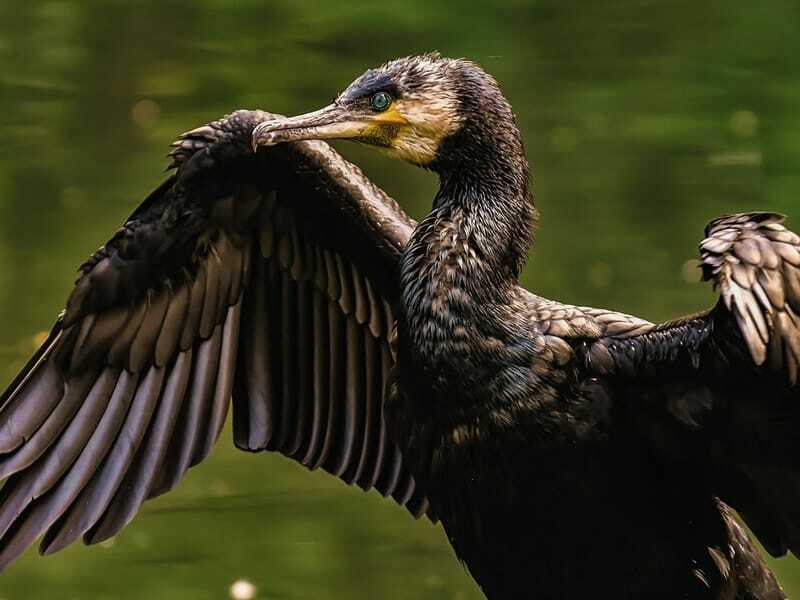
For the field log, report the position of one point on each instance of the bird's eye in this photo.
(380, 101)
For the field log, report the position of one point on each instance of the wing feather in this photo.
(251, 413)
(726, 379)
(52, 427)
(371, 404)
(304, 341)
(174, 318)
(67, 528)
(194, 414)
(224, 382)
(29, 404)
(762, 287)
(139, 478)
(266, 278)
(336, 389)
(353, 424)
(320, 369)
(287, 317)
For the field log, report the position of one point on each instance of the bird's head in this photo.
(407, 107)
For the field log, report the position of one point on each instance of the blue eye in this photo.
(380, 101)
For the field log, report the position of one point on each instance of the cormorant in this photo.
(569, 452)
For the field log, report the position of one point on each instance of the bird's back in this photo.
(544, 488)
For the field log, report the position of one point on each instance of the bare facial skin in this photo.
(411, 127)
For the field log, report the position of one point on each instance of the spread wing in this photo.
(268, 277)
(721, 388)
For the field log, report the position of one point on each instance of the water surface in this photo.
(642, 119)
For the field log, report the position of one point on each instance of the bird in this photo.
(567, 451)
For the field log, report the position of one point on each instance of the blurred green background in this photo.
(643, 120)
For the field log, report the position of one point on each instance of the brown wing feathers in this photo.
(727, 379)
(755, 262)
(319, 398)
(101, 448)
(215, 284)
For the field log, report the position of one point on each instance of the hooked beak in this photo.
(329, 123)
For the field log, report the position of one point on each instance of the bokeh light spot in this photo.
(744, 123)
(690, 271)
(145, 113)
(241, 589)
(600, 275)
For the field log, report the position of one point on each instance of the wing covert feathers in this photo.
(755, 262)
(718, 390)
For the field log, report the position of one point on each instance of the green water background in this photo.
(642, 120)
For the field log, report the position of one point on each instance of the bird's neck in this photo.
(463, 261)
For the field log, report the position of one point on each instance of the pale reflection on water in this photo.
(642, 120)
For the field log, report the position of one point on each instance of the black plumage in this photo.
(568, 451)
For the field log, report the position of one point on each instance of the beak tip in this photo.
(320, 124)
(255, 138)
(261, 136)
